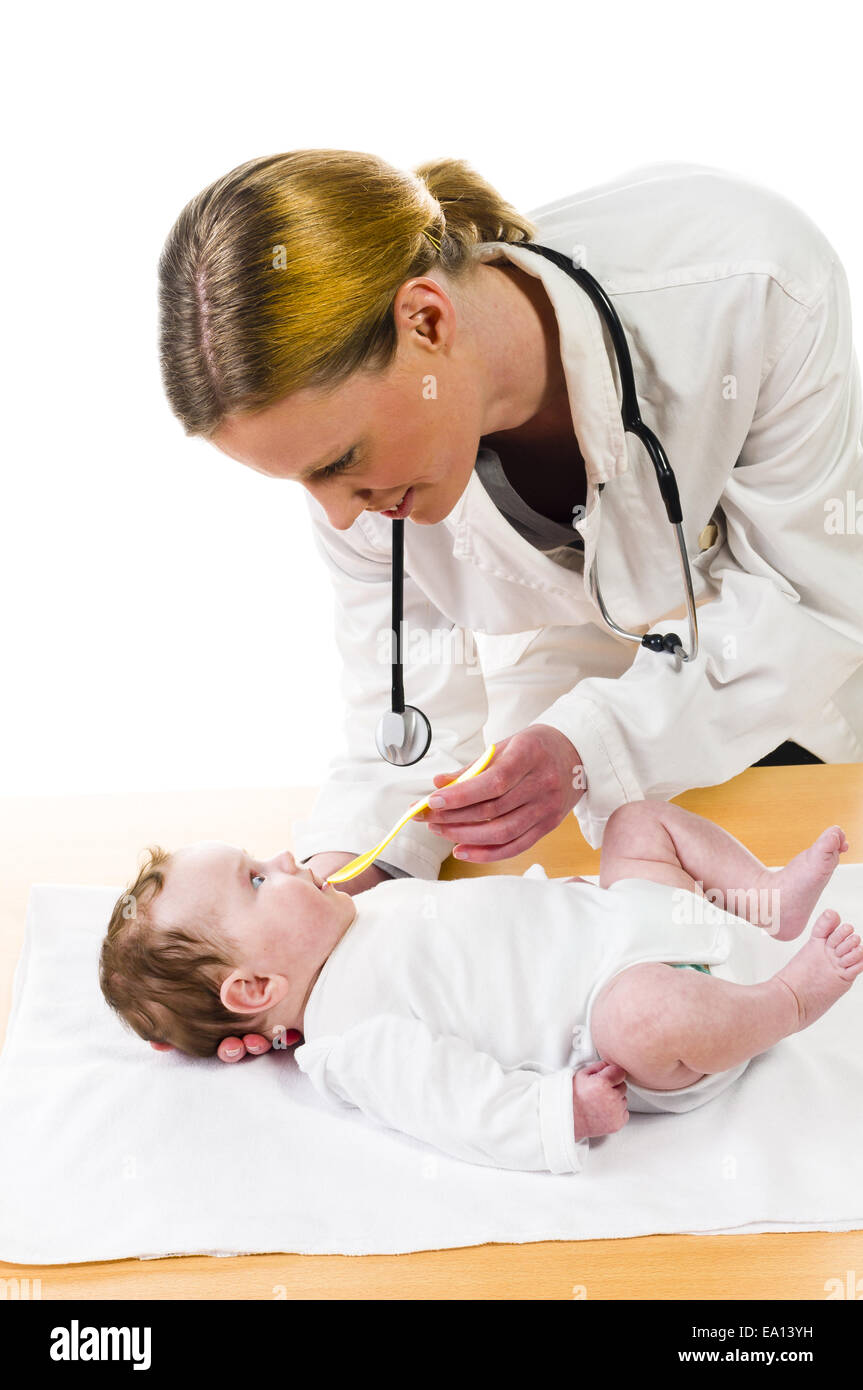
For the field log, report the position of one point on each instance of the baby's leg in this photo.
(662, 842)
(667, 1028)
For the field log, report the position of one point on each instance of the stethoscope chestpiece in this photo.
(403, 738)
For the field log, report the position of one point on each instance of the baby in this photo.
(505, 1019)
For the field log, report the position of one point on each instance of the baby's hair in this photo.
(163, 979)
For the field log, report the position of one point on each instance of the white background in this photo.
(167, 623)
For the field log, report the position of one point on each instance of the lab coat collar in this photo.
(587, 355)
(592, 381)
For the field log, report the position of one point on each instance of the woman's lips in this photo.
(402, 510)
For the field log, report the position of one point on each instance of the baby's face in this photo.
(275, 914)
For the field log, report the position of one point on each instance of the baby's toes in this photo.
(847, 954)
(848, 959)
(851, 964)
(839, 935)
(829, 842)
(825, 922)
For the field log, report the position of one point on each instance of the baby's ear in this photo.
(162, 1047)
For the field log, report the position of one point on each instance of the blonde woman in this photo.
(387, 340)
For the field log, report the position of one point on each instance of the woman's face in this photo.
(417, 425)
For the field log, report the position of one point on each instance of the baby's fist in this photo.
(599, 1100)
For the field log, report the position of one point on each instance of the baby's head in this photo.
(208, 942)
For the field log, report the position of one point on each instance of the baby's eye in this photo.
(260, 876)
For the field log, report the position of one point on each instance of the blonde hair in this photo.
(163, 980)
(282, 274)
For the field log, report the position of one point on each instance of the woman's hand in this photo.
(253, 1044)
(534, 779)
(234, 1049)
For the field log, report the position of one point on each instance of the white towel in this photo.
(109, 1149)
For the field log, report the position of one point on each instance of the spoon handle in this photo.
(363, 861)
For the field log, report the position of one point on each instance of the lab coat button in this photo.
(579, 252)
(708, 536)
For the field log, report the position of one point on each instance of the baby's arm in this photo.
(446, 1093)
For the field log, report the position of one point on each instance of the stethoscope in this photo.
(403, 734)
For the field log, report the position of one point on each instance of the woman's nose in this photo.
(342, 517)
(342, 511)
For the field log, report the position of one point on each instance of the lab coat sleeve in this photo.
(392, 869)
(786, 628)
(364, 796)
(442, 1091)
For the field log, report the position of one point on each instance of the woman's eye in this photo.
(338, 467)
(260, 876)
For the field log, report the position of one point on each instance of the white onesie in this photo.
(457, 1011)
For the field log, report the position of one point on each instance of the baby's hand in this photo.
(599, 1100)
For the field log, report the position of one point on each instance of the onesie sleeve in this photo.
(442, 1091)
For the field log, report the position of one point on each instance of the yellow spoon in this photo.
(363, 861)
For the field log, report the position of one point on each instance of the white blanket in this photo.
(109, 1149)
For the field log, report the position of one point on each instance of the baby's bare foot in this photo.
(794, 890)
(824, 969)
(599, 1100)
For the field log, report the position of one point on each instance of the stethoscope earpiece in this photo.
(656, 642)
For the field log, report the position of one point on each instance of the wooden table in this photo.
(97, 839)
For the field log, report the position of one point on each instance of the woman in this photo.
(387, 340)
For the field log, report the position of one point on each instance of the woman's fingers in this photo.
(503, 773)
(524, 793)
(498, 831)
(482, 811)
(234, 1049)
(489, 854)
(231, 1050)
(487, 804)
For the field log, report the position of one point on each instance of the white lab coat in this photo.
(737, 315)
